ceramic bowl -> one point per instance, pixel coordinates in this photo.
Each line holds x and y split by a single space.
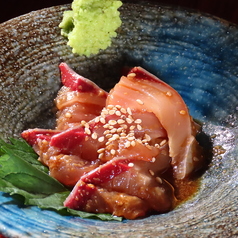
195 53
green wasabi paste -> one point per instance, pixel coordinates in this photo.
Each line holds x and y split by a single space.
90 25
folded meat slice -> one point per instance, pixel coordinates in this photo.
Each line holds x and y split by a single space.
141 90
99 200
79 99
132 176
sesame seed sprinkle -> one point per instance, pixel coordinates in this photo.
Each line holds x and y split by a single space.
131 164
128 120
182 112
133 143
159 180
127 144
100 155
151 172
101 139
120 121
123 110
168 94
68 115
131 75
118 113
87 131
94 135
163 142
112 122
129 111
139 101
102 120
138 121
101 150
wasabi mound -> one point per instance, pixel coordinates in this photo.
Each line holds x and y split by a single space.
90 25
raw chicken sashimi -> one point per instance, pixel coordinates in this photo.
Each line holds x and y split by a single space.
79 99
143 91
116 149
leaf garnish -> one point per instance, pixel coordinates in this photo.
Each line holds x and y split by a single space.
22 174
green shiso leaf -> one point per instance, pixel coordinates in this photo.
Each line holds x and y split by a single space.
22 174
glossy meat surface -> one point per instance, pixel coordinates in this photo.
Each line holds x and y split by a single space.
115 149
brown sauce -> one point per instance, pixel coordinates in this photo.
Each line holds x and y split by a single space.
186 189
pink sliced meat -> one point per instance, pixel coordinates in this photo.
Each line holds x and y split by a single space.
143 91
93 199
79 99
137 177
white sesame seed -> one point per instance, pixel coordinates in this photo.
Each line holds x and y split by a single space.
138 121
86 125
112 122
119 130
68 115
101 139
115 137
124 126
182 112
131 138
139 101
118 106
131 164
127 144
147 137
83 122
133 143
101 150
113 130
129 111
105 111
112 112
153 160
139 127
159 180
100 155
151 172
131 75
94 135
169 93
120 121
87 131
132 128
118 113
163 142
108 135
110 107
97 119
129 121
123 110
106 126
113 152
102 120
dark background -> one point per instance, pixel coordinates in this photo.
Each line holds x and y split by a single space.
226 9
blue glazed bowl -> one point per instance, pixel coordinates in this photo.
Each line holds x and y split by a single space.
197 54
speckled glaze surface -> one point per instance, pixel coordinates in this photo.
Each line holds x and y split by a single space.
195 53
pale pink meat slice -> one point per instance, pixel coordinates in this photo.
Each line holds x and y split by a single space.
79 99
99 200
141 90
135 176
